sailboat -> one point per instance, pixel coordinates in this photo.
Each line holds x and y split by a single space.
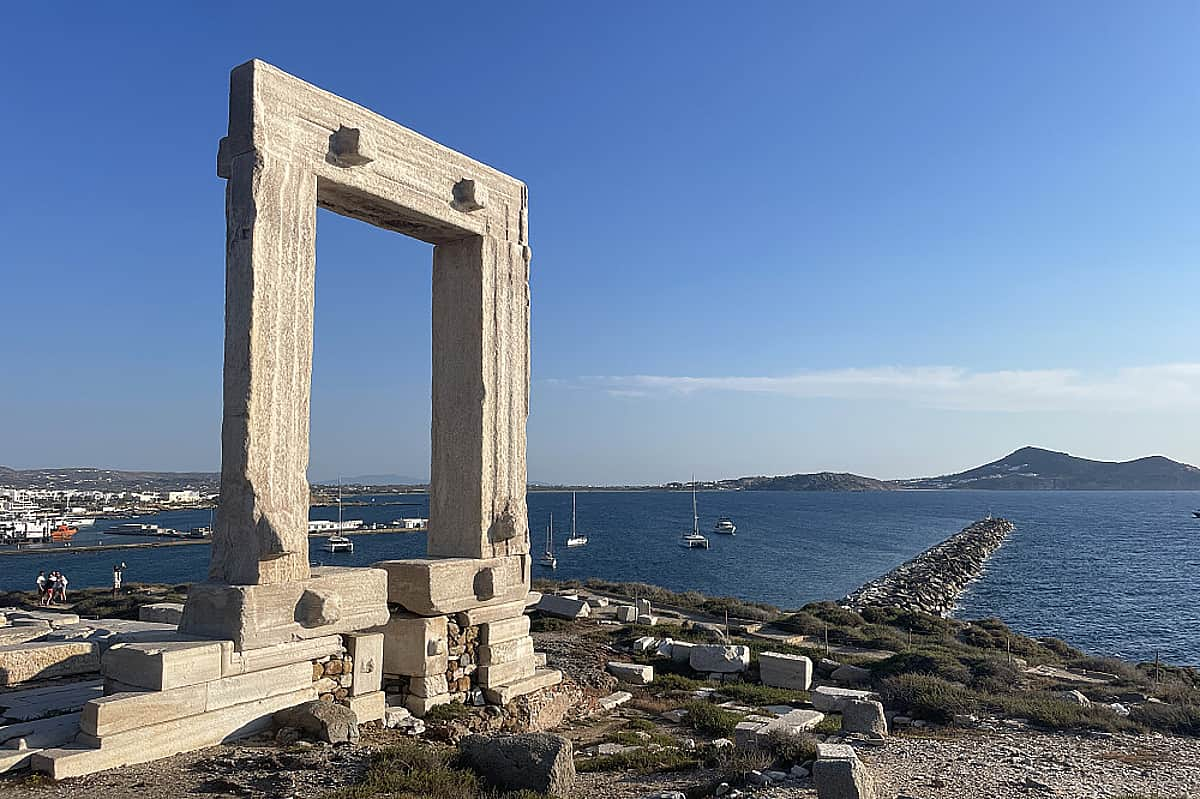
548 560
576 540
336 541
694 540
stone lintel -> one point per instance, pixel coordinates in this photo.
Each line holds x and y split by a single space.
489 613
503 673
438 586
333 600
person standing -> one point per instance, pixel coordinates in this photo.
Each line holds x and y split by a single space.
62 586
51 588
118 571
41 586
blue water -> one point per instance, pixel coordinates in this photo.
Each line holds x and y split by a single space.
1114 573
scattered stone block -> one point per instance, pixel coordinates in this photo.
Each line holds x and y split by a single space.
503 694
539 762
643 607
644 643
326 721
437 586
838 774
632 673
162 612
563 607
681 651
614 700
865 716
627 614
746 733
648 621
664 648
794 722
719 658
829 699
597 601
779 670
42 660
851 675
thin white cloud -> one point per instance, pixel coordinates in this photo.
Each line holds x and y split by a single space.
1142 388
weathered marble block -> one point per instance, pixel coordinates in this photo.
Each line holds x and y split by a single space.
333 600
436 586
414 646
780 670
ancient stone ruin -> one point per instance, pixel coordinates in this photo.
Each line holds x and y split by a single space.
268 632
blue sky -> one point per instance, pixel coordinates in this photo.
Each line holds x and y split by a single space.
895 239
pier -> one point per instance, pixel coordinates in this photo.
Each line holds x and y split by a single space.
933 581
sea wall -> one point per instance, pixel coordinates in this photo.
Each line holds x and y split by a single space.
932 581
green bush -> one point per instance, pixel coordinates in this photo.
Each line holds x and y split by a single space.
834 614
922 661
913 621
927 697
709 719
760 695
993 675
641 761
792 748
1050 711
802 623
675 682
451 711
1177 719
409 771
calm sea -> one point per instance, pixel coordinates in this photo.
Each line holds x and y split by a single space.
1111 572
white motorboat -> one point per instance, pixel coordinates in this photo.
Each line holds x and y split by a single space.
725 526
575 540
338 543
694 540
548 560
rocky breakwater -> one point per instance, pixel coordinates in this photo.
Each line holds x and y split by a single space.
932 581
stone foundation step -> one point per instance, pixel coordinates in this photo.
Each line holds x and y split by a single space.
503 694
143 744
32 703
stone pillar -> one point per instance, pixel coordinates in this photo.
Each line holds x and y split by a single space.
480 398
261 534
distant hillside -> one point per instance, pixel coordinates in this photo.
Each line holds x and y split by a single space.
820 481
90 479
376 480
1035 469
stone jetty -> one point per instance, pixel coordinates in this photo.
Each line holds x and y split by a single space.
932 581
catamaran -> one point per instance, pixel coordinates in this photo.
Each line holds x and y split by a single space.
576 540
694 540
548 560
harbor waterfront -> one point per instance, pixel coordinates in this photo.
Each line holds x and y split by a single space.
1111 572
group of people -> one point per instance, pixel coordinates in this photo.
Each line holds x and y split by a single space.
51 587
